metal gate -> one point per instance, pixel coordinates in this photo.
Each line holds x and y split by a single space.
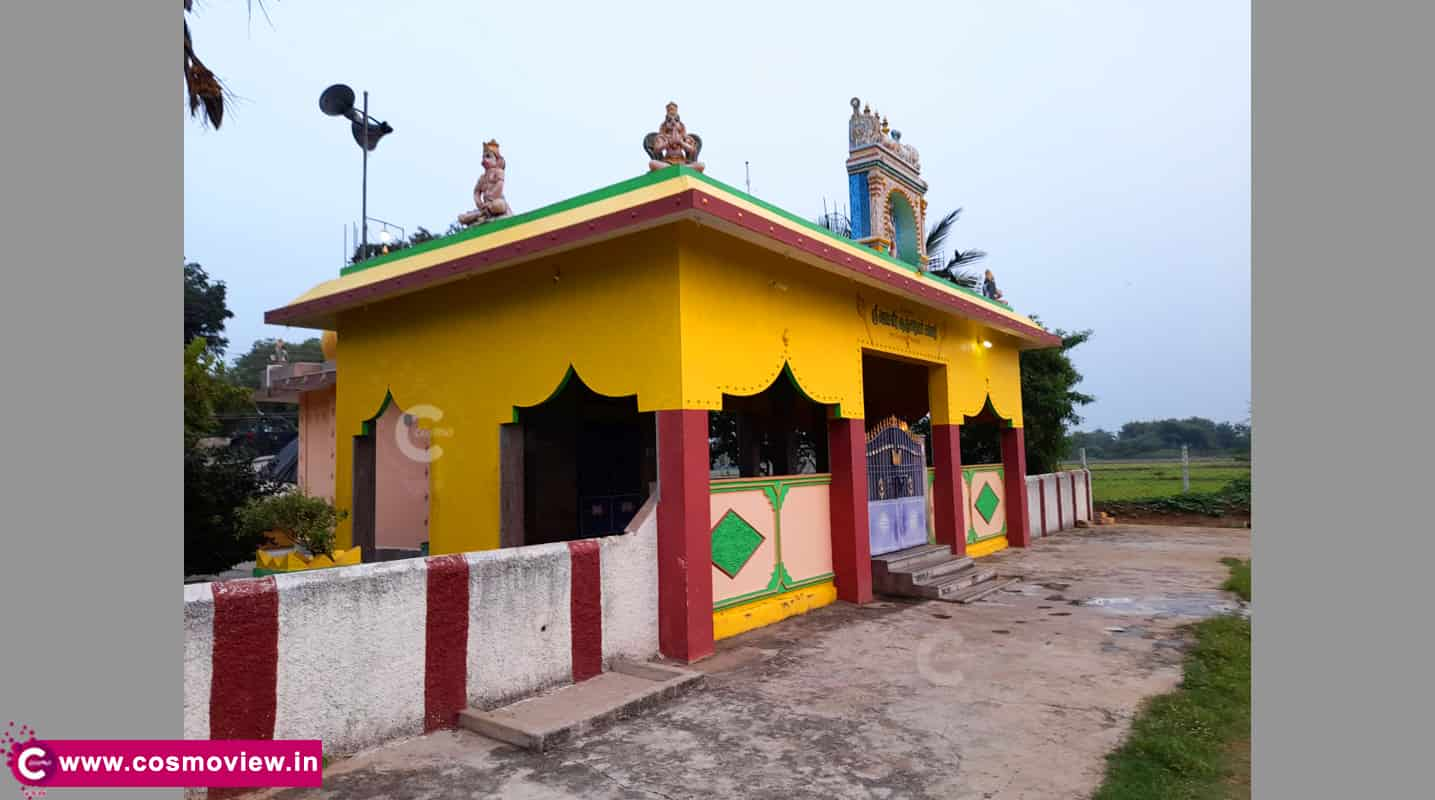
896 487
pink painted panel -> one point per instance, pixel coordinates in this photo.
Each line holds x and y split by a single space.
998 521
401 499
807 531
752 506
317 442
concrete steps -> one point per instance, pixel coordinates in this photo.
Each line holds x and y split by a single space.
932 572
541 722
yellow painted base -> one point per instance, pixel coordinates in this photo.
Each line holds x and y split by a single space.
986 547
744 618
293 561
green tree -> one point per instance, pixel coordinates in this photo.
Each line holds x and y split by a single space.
207 391
217 483
952 268
1049 401
205 311
248 370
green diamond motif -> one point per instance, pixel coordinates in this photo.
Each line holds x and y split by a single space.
734 542
987 502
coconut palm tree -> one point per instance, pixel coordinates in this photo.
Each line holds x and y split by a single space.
951 269
203 87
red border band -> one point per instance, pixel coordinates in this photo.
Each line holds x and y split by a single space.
645 213
446 642
243 691
586 607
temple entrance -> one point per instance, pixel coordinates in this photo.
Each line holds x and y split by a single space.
895 392
896 487
579 465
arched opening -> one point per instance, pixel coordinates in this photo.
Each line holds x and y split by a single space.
391 485
577 465
904 229
981 436
778 431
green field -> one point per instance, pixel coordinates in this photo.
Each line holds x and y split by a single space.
1113 481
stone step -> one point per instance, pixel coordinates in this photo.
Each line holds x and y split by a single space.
931 574
541 722
946 588
910 559
906 583
982 589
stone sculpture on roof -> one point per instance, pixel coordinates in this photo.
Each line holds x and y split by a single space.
672 144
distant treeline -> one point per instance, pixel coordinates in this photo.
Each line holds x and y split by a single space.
1164 437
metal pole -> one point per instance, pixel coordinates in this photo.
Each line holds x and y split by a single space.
1185 469
1083 459
747 177
364 248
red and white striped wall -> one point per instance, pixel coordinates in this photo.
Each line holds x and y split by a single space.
359 655
1056 500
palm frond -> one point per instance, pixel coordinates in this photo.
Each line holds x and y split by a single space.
960 257
962 278
937 235
206 91
204 88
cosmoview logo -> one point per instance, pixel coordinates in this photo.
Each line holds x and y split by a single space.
403 434
31 761
35 763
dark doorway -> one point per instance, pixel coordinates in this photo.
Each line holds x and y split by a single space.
779 431
365 532
587 463
982 437
893 387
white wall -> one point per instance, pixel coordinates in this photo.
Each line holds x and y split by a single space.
351 664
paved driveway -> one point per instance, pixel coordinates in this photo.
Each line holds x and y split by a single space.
1017 696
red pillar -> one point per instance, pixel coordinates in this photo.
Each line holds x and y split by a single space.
950 518
685 581
1018 533
851 545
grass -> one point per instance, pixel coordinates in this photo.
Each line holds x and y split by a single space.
1145 480
1240 580
1194 743
1232 499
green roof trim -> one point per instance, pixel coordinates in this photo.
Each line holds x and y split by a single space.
643 181
366 427
477 231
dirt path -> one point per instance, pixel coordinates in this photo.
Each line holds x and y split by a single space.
1017 696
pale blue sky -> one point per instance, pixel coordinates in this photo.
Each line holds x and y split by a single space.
1101 150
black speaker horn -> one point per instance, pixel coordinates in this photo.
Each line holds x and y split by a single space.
377 130
337 100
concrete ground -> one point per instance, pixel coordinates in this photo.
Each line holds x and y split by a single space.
1017 696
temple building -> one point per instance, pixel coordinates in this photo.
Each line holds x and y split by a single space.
674 347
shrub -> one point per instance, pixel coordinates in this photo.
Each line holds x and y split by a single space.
308 520
216 484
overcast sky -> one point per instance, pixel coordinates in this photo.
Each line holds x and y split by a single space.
1101 150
